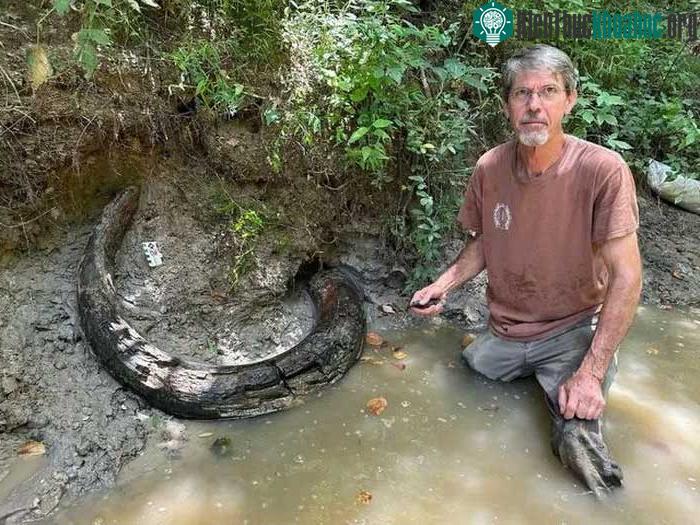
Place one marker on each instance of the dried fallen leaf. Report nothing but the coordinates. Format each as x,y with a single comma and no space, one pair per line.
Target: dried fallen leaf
677,274
219,296
399,354
467,340
387,309
652,351
364,497
32,448
377,405
38,66
374,339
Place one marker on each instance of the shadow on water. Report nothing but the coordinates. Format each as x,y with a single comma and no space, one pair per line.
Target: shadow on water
451,446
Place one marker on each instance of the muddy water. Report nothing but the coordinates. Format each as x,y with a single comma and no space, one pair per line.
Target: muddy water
450,447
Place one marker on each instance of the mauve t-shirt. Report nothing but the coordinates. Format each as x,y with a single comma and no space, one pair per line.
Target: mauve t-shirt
541,234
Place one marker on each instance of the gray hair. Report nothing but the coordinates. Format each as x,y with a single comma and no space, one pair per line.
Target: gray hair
539,56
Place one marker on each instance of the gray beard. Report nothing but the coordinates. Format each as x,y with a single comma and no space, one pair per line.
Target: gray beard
533,138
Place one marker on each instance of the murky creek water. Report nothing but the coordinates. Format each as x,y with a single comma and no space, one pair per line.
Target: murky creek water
450,447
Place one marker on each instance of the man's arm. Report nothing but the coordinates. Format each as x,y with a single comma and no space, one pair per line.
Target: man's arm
468,264
581,394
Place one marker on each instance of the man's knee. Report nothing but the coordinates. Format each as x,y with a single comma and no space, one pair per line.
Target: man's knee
493,360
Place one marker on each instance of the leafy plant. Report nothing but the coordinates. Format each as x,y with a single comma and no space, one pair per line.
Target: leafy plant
245,226
100,19
201,65
383,89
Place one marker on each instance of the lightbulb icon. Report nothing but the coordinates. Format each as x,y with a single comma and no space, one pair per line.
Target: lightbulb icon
493,21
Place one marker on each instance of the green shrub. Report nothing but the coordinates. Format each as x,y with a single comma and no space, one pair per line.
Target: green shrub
380,88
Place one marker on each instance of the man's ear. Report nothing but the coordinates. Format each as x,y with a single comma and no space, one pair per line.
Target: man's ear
571,101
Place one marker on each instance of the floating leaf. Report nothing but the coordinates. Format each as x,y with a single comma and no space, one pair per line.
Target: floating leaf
364,497
467,340
377,405
32,448
374,339
399,354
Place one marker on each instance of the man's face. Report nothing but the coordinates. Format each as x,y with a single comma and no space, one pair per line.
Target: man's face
536,105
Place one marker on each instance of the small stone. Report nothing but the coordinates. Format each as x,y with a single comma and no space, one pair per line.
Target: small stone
9,384
221,447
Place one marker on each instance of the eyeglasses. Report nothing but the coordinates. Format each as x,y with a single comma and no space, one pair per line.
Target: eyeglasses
546,94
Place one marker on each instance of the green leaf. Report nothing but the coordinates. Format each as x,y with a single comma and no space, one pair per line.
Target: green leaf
476,82
61,6
96,36
618,144
610,119
395,73
381,123
359,94
381,134
87,58
454,68
358,134
587,116
100,37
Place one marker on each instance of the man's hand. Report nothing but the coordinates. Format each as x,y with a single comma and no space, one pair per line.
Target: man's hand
581,396
424,295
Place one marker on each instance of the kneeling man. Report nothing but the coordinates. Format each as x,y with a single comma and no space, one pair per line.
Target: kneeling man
553,220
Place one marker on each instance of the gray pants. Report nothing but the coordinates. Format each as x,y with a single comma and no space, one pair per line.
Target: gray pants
578,443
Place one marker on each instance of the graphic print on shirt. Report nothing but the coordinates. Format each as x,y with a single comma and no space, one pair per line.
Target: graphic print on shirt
501,216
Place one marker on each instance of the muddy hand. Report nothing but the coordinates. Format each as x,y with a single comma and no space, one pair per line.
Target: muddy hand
428,301
581,396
